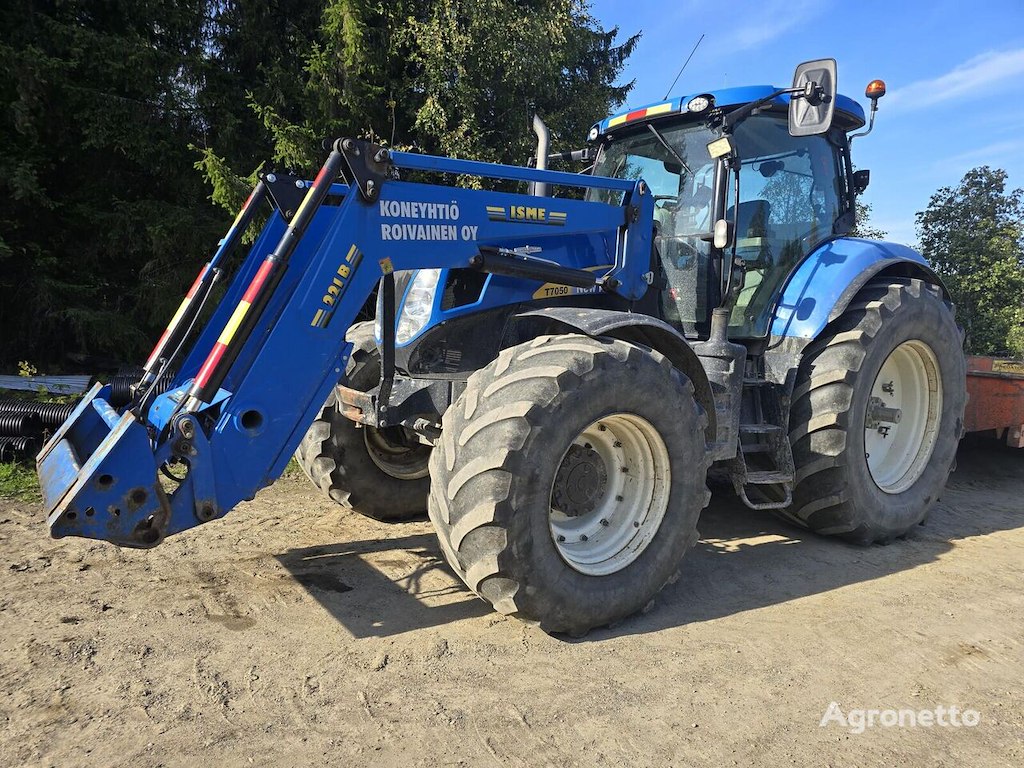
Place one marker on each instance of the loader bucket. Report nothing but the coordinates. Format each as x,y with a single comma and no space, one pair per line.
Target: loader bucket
99,478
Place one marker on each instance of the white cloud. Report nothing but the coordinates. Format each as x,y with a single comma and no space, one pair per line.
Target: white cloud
756,25
769,20
974,76
990,154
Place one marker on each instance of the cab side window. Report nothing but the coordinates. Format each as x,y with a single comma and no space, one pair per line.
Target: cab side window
790,193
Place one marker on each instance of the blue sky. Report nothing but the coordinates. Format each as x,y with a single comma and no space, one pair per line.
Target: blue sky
954,71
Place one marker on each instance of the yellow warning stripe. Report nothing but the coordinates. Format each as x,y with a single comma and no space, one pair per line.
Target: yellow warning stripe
179,313
640,114
305,202
234,322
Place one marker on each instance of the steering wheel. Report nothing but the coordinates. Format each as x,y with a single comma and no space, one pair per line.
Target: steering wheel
663,198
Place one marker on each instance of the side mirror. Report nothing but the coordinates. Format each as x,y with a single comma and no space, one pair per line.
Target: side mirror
813,101
861,179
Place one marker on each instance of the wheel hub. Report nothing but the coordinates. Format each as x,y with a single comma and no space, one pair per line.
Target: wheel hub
610,494
385,449
901,421
580,482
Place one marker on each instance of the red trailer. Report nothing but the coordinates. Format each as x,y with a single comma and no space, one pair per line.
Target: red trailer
996,402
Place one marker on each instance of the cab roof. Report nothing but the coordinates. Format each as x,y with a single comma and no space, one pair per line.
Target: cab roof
849,114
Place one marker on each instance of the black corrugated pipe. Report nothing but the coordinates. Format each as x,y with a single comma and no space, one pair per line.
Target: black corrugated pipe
51,415
20,424
15,448
121,387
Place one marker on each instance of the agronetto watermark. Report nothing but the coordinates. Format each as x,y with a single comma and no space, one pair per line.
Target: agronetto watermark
859,720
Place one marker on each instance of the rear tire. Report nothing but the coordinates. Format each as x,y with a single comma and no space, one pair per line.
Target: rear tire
364,468
861,474
568,481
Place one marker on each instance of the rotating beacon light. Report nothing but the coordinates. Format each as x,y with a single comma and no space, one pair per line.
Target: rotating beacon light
874,91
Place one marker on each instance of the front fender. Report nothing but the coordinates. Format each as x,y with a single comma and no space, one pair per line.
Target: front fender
636,328
821,288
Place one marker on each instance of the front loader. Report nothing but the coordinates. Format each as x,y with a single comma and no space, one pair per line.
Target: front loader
551,377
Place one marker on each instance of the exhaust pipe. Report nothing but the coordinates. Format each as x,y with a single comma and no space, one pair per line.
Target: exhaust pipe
543,145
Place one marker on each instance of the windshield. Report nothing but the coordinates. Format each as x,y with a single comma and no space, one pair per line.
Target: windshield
790,197
682,208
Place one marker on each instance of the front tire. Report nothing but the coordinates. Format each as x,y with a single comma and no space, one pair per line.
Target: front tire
379,473
878,413
568,481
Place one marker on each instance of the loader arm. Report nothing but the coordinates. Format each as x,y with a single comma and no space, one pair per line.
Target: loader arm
265,362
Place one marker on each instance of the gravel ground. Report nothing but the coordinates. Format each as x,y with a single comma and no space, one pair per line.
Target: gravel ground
295,632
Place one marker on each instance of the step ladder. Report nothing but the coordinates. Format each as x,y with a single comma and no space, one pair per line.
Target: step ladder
762,471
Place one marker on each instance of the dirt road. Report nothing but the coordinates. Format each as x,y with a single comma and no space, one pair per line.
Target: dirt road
296,633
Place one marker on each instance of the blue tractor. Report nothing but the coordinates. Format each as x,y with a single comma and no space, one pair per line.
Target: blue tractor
552,372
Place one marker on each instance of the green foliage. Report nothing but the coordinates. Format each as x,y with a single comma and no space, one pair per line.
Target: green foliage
117,120
448,77
229,190
96,107
973,234
863,227
106,221
18,481
485,67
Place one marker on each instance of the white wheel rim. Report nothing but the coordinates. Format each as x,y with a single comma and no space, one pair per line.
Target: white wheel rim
622,515
903,415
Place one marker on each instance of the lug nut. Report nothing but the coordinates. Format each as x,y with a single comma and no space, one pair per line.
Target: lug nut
561,539
604,523
583,537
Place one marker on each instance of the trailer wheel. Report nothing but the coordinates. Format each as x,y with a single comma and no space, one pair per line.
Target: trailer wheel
877,414
568,480
373,471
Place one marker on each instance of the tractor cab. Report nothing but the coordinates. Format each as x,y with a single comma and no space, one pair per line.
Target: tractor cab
780,197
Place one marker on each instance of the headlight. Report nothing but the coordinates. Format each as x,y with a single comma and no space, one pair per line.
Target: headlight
698,104
419,303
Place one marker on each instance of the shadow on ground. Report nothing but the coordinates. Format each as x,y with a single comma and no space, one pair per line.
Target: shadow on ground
383,587
744,560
